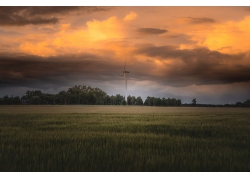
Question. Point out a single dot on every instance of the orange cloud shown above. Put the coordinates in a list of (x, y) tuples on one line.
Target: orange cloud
[(96, 35), (65, 26), (107, 29), (230, 37), (131, 16), (40, 48)]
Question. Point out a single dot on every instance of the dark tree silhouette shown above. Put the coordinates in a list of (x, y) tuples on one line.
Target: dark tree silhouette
[(124, 102), (194, 102)]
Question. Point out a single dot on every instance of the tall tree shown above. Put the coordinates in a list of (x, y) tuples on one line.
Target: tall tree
[(194, 102), (35, 100), (139, 101)]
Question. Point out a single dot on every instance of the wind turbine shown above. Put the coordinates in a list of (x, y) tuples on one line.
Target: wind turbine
[(125, 78)]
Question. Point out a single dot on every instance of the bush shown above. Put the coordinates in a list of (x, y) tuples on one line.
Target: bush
[(35, 100), (124, 102)]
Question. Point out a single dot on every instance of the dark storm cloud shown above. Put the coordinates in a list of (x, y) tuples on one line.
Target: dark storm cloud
[(198, 66), (16, 20), (12, 33), (35, 71), (247, 9), (64, 10), (20, 16), (199, 20), (151, 31), (176, 39)]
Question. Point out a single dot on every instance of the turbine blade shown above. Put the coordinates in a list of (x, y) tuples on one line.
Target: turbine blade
[(125, 65)]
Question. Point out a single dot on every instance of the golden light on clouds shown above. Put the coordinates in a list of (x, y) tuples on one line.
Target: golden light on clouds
[(92, 36), (174, 46), (230, 37), (226, 37), (40, 48), (110, 28), (131, 16)]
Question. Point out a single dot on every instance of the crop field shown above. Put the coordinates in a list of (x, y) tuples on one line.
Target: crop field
[(124, 138)]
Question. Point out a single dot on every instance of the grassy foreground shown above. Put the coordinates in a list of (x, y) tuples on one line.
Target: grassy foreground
[(116, 138)]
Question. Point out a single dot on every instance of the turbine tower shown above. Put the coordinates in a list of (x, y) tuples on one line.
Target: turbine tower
[(125, 78)]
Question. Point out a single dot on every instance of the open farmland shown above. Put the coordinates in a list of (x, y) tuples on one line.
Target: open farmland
[(124, 138)]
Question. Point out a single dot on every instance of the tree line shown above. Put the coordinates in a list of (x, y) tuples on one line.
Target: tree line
[(238, 104), (6, 100), (87, 95), (245, 104), (153, 101), (75, 95)]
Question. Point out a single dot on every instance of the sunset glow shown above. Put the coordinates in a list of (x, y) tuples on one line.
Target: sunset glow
[(182, 52)]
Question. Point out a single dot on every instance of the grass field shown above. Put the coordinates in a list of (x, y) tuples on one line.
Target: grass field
[(118, 138)]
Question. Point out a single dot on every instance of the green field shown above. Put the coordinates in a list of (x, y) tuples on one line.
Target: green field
[(124, 138)]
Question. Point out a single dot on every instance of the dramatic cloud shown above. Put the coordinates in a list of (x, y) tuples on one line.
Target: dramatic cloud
[(131, 16), (198, 66), (47, 10), (177, 39), (28, 70), (17, 20), (247, 9), (229, 37), (168, 65), (88, 38), (151, 31), (20, 16), (204, 54), (193, 20)]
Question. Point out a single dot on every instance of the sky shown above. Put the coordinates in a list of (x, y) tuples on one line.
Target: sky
[(182, 52)]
